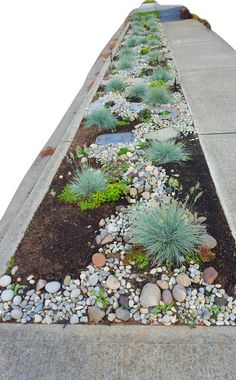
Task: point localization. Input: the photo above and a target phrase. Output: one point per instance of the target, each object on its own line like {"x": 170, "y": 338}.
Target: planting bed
{"x": 145, "y": 239}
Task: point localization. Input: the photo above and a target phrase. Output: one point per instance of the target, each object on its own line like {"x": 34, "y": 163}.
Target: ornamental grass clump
{"x": 156, "y": 56}
{"x": 158, "y": 95}
{"x": 115, "y": 85}
{"x": 163, "y": 152}
{"x": 138, "y": 91}
{"x": 125, "y": 62}
{"x": 166, "y": 233}
{"x": 84, "y": 184}
{"x": 132, "y": 42}
{"x": 101, "y": 118}
{"x": 161, "y": 74}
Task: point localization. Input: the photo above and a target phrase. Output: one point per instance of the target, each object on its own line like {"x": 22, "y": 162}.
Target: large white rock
{"x": 7, "y": 295}
{"x": 16, "y": 314}
{"x": 52, "y": 287}
{"x": 5, "y": 281}
{"x": 179, "y": 293}
{"x": 113, "y": 283}
{"x": 150, "y": 295}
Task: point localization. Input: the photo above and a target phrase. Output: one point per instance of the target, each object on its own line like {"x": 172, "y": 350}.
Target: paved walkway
{"x": 116, "y": 353}
{"x": 207, "y": 68}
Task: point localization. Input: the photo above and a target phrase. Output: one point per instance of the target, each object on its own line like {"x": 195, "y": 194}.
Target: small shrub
{"x": 101, "y": 118}
{"x": 158, "y": 83}
{"x": 111, "y": 194}
{"x": 163, "y": 152}
{"x": 145, "y": 115}
{"x": 138, "y": 90}
{"x": 125, "y": 63}
{"x": 161, "y": 74}
{"x": 115, "y": 85}
{"x": 145, "y": 50}
{"x": 158, "y": 95}
{"x": 122, "y": 151}
{"x": 166, "y": 233}
{"x": 86, "y": 182}
{"x": 126, "y": 51}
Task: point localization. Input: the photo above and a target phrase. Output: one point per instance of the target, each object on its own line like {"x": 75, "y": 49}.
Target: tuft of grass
{"x": 126, "y": 51}
{"x": 138, "y": 90}
{"x": 125, "y": 63}
{"x": 87, "y": 182}
{"x": 145, "y": 115}
{"x": 11, "y": 263}
{"x": 166, "y": 233}
{"x": 132, "y": 42}
{"x": 142, "y": 40}
{"x": 158, "y": 95}
{"x": 115, "y": 84}
{"x": 161, "y": 74}
{"x": 163, "y": 152}
{"x": 101, "y": 118}
{"x": 156, "y": 57}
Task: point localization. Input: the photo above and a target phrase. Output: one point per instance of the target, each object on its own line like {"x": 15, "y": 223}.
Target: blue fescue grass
{"x": 138, "y": 90}
{"x": 101, "y": 118}
{"x": 115, "y": 84}
{"x": 162, "y": 74}
{"x": 156, "y": 56}
{"x": 158, "y": 95}
{"x": 166, "y": 233}
{"x": 125, "y": 63}
{"x": 163, "y": 152}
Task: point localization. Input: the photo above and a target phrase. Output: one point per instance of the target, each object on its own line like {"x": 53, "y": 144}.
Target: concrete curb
{"x": 39, "y": 177}
{"x": 116, "y": 352}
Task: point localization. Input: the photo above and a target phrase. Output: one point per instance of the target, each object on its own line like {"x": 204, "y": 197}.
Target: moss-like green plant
{"x": 101, "y": 298}
{"x": 125, "y": 63}
{"x": 145, "y": 50}
{"x": 111, "y": 194}
{"x": 86, "y": 182}
{"x": 115, "y": 84}
{"x": 163, "y": 152}
{"x": 81, "y": 152}
{"x": 158, "y": 83}
{"x": 138, "y": 90}
{"x": 166, "y": 233}
{"x": 173, "y": 182}
{"x": 101, "y": 118}
{"x": 158, "y": 95}
{"x": 138, "y": 257}
{"x": 122, "y": 151}
{"x": 161, "y": 74}
{"x": 114, "y": 172}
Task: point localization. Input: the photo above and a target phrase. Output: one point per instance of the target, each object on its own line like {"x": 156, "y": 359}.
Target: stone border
{"x": 37, "y": 180}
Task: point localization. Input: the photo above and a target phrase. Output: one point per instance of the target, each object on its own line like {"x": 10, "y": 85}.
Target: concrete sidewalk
{"x": 207, "y": 69}
{"x": 36, "y": 352}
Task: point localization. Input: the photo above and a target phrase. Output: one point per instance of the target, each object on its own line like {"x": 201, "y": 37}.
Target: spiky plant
{"x": 136, "y": 31}
{"x": 166, "y": 233}
{"x": 126, "y": 51}
{"x": 156, "y": 56}
{"x": 142, "y": 40}
{"x": 101, "y": 118}
{"x": 87, "y": 182}
{"x": 115, "y": 84}
{"x": 125, "y": 63}
{"x": 161, "y": 74}
{"x": 132, "y": 42}
{"x": 138, "y": 90}
{"x": 158, "y": 95}
{"x": 163, "y": 152}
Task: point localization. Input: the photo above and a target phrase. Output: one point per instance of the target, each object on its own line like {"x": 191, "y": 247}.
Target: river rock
{"x": 95, "y": 314}
{"x": 17, "y": 300}
{"x": 67, "y": 280}
{"x": 40, "y": 284}
{"x": 183, "y": 279}
{"x": 7, "y": 295}
{"x": 16, "y": 314}
{"x": 210, "y": 275}
{"x": 150, "y": 295}
{"x": 5, "y": 281}
{"x": 179, "y": 293}
{"x": 108, "y": 239}
{"x": 124, "y": 300}
{"x": 75, "y": 293}
{"x": 52, "y": 286}
{"x": 167, "y": 297}
{"x": 99, "y": 260}
{"x": 122, "y": 314}
{"x": 162, "y": 284}
{"x": 208, "y": 241}
{"x": 112, "y": 282}
{"x": 74, "y": 319}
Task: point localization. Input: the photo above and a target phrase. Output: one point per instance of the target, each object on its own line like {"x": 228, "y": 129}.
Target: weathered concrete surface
{"x": 207, "y": 69}
{"x": 116, "y": 353}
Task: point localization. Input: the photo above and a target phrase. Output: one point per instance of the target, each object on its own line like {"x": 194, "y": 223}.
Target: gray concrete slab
{"x": 220, "y": 151}
{"x": 116, "y": 353}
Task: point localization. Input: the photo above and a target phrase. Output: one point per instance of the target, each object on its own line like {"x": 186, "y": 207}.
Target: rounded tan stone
{"x": 99, "y": 260}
